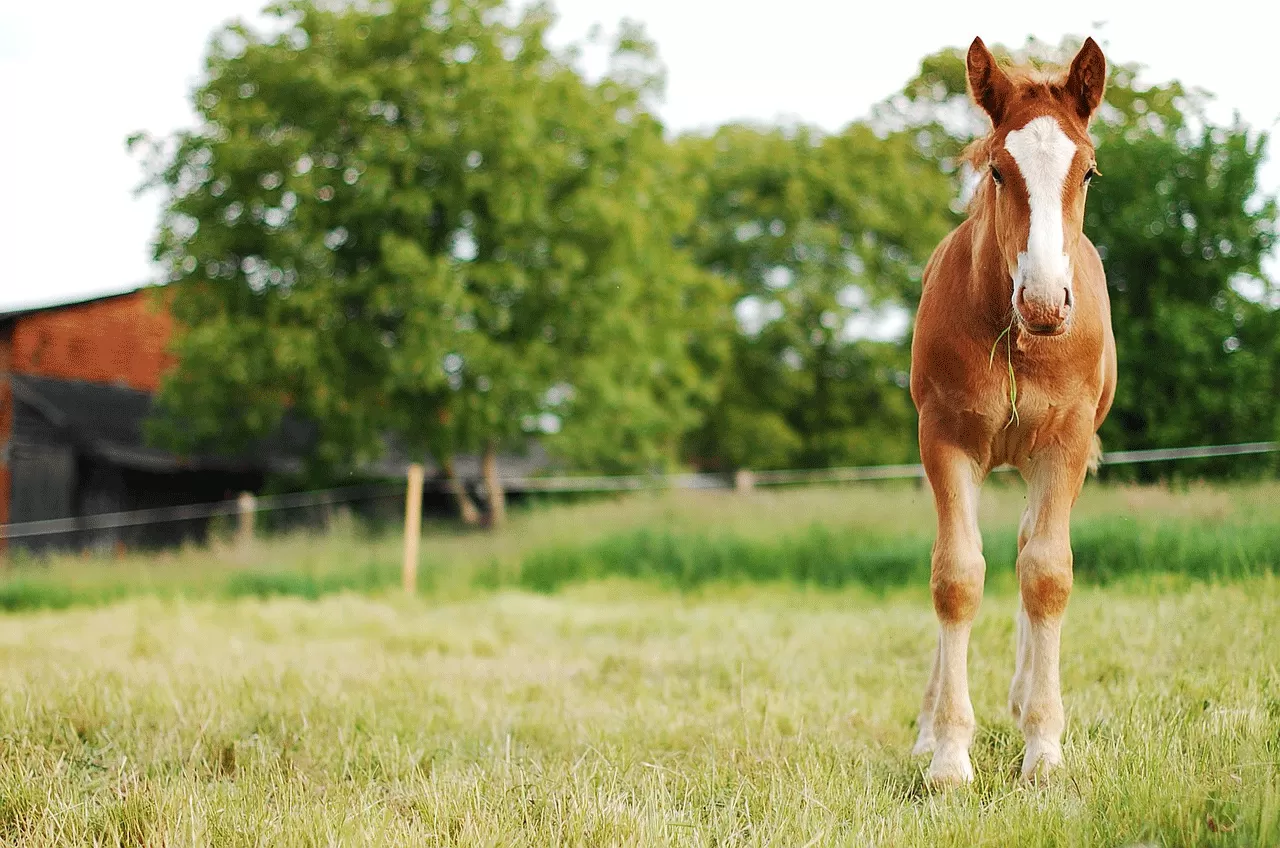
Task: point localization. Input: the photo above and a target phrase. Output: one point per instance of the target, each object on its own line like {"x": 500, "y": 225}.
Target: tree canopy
{"x": 414, "y": 221}
{"x": 823, "y": 239}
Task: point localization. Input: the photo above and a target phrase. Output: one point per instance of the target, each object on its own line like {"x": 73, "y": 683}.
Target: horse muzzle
{"x": 1043, "y": 311}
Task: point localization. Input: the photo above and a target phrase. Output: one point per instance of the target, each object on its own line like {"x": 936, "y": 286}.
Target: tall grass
{"x": 819, "y": 556}
{"x": 1105, "y": 550}
{"x": 877, "y": 538}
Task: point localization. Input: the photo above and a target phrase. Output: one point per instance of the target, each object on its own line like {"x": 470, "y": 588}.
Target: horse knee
{"x": 1045, "y": 578}
{"x": 957, "y": 586}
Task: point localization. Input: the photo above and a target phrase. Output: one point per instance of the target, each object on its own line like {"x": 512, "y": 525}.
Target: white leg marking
{"x": 953, "y": 722}
{"x": 1042, "y": 718}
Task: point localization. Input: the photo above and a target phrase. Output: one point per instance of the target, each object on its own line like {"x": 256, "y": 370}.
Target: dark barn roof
{"x": 14, "y": 313}
{"x": 109, "y": 422}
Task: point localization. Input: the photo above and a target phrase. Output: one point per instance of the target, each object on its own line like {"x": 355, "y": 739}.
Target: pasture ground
{"x": 626, "y": 712}
{"x": 623, "y": 715}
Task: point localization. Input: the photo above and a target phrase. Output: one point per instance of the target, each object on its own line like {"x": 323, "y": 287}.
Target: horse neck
{"x": 990, "y": 287}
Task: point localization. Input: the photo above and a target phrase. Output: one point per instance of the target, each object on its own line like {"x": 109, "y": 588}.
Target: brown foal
{"x": 1013, "y": 362}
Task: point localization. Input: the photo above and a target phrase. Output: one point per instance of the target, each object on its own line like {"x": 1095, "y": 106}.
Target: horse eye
{"x": 1089, "y": 175}
{"x": 995, "y": 175}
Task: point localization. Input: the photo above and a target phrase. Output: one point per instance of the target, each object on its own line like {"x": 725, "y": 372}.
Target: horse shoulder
{"x": 943, "y": 255}
{"x": 1095, "y": 277}
{"x": 945, "y": 276}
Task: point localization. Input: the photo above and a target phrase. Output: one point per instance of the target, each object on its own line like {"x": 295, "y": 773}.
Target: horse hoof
{"x": 950, "y": 767}
{"x": 924, "y": 744}
{"x": 1041, "y": 759}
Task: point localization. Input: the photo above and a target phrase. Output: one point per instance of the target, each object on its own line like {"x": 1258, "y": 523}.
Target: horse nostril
{"x": 1068, "y": 299}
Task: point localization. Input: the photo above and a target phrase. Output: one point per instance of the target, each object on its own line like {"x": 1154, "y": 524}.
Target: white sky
{"x": 76, "y": 77}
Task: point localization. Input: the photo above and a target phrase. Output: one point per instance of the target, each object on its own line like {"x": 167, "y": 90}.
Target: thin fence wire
{"x": 158, "y": 515}
{"x": 567, "y": 484}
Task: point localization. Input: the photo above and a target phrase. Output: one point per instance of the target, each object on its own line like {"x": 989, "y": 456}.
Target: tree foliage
{"x": 823, "y": 239}
{"x": 415, "y": 220}
{"x": 1182, "y": 232}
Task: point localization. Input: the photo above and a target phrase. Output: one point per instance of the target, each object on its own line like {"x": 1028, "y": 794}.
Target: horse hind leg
{"x": 1022, "y": 663}
{"x": 925, "y": 740}
{"x": 1022, "y": 627}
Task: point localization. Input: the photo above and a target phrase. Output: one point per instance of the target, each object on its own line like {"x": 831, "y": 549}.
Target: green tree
{"x": 1183, "y": 228}
{"x": 822, "y": 237}
{"x": 414, "y": 220}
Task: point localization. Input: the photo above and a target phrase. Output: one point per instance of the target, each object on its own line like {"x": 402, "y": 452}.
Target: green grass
{"x": 687, "y": 669}
{"x": 876, "y": 537}
{"x": 618, "y": 713}
{"x": 1105, "y": 550}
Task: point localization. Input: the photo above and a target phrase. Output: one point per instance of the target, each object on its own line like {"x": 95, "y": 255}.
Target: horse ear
{"x": 1087, "y": 80}
{"x": 989, "y": 86}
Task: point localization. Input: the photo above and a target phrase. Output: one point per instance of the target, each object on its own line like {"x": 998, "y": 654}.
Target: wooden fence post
{"x": 744, "y": 480}
{"x": 246, "y": 510}
{"x": 412, "y": 528}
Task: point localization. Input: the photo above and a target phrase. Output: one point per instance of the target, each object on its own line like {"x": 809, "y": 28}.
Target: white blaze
{"x": 1044, "y": 155}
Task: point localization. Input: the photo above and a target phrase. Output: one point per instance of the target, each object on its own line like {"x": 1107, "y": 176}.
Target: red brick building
{"x": 76, "y": 386}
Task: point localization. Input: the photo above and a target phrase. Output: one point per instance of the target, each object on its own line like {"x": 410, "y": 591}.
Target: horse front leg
{"x": 1054, "y": 478}
{"x": 958, "y": 571}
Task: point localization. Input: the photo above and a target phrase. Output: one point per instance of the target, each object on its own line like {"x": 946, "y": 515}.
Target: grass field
{"x": 872, "y": 536}
{"x": 731, "y": 709}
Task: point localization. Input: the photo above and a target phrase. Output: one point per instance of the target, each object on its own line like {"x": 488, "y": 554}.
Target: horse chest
{"x": 1003, "y": 403}
{"x": 1028, "y": 398}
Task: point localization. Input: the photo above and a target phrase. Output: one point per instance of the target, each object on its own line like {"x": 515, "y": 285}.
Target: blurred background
{"x": 554, "y": 250}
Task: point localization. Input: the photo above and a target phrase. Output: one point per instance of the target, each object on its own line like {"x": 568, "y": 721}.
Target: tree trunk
{"x": 493, "y": 486}
{"x": 467, "y": 508}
